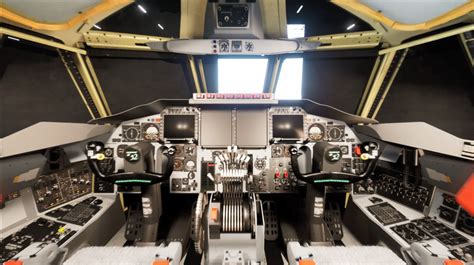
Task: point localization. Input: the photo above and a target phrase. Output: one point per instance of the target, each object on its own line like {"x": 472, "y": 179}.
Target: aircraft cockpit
{"x": 232, "y": 177}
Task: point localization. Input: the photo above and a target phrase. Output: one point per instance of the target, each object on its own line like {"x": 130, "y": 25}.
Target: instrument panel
{"x": 254, "y": 142}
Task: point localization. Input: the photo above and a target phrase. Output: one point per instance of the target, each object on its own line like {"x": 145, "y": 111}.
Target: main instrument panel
{"x": 234, "y": 141}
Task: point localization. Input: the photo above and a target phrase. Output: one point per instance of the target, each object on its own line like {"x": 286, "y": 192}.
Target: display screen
{"x": 288, "y": 126}
{"x": 178, "y": 126}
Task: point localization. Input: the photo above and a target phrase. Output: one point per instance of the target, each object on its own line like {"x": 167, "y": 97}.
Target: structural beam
{"x": 122, "y": 41}
{"x": 369, "y": 84}
{"x": 465, "y": 39}
{"x": 431, "y": 38}
{"x": 194, "y": 73}
{"x": 354, "y": 40}
{"x": 391, "y": 78}
{"x": 275, "y": 74}
{"x": 385, "y": 70}
{"x": 39, "y": 40}
{"x": 90, "y": 85}
{"x": 84, "y": 79}
{"x": 202, "y": 75}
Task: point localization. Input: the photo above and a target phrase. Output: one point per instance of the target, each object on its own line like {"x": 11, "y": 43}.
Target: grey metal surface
{"x": 444, "y": 172}
{"x": 252, "y": 128}
{"x": 418, "y": 135}
{"x": 27, "y": 167}
{"x": 48, "y": 134}
{"x": 216, "y": 128}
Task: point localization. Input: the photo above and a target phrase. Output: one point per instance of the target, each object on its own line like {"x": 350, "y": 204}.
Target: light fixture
{"x": 142, "y": 9}
{"x": 350, "y": 26}
{"x": 97, "y": 27}
{"x": 299, "y": 9}
{"x": 13, "y": 38}
{"x": 161, "y": 27}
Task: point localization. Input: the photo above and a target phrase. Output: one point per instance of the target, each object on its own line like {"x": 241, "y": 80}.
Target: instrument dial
{"x": 335, "y": 133}
{"x": 316, "y": 132}
{"x": 130, "y": 133}
{"x": 189, "y": 150}
{"x": 150, "y": 132}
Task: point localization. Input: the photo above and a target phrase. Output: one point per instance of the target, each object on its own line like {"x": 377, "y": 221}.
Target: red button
{"x": 357, "y": 150}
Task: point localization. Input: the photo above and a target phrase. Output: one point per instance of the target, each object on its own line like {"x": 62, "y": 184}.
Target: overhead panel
{"x": 409, "y": 15}
{"x": 49, "y": 11}
{"x": 51, "y": 15}
{"x": 413, "y": 12}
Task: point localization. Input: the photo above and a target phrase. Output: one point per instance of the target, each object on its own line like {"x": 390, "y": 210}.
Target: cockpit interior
{"x": 237, "y": 132}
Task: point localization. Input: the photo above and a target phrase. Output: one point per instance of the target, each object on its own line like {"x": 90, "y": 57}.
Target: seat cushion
{"x": 353, "y": 255}
{"x": 125, "y": 255}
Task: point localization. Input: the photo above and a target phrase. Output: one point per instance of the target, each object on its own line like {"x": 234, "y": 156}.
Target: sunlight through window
{"x": 241, "y": 75}
{"x": 290, "y": 79}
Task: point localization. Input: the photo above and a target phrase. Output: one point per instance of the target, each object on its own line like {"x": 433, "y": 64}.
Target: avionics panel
{"x": 177, "y": 127}
{"x": 251, "y": 128}
{"x": 288, "y": 127}
{"x": 62, "y": 186}
{"x": 237, "y": 130}
{"x": 216, "y": 128}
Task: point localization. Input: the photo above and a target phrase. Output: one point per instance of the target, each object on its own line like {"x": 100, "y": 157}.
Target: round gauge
{"x": 179, "y": 151}
{"x": 190, "y": 165}
{"x": 150, "y": 131}
{"x": 189, "y": 150}
{"x": 131, "y": 133}
{"x": 121, "y": 150}
{"x": 277, "y": 151}
{"x": 178, "y": 165}
{"x": 335, "y": 133}
{"x": 109, "y": 152}
{"x": 260, "y": 163}
{"x": 316, "y": 132}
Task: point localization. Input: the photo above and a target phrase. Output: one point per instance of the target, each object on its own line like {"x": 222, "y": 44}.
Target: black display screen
{"x": 288, "y": 126}
{"x": 178, "y": 126}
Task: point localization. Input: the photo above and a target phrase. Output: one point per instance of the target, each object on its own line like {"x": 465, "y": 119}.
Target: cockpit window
{"x": 290, "y": 79}
{"x": 145, "y": 17}
{"x": 241, "y": 75}
{"x": 323, "y": 18}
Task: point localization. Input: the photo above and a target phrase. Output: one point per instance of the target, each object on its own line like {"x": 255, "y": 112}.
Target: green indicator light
{"x": 331, "y": 180}
{"x": 132, "y": 180}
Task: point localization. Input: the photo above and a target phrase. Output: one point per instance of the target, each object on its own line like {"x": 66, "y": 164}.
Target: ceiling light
{"x": 13, "y": 38}
{"x": 299, "y": 9}
{"x": 161, "y": 27}
{"x": 142, "y": 9}
{"x": 97, "y": 27}
{"x": 350, "y": 26}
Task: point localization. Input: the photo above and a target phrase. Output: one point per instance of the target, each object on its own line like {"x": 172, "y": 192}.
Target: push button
{"x": 214, "y": 214}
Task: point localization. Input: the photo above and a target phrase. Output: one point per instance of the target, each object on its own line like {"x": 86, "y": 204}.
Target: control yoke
{"x": 328, "y": 177}
{"x": 138, "y": 164}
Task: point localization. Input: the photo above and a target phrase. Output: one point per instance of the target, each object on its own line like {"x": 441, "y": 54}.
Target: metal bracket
{"x": 123, "y": 41}
{"x": 384, "y": 73}
{"x": 85, "y": 81}
{"x": 355, "y": 40}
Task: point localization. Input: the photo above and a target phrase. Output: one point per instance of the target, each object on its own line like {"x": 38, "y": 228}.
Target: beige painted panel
{"x": 192, "y": 19}
{"x": 274, "y": 18}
